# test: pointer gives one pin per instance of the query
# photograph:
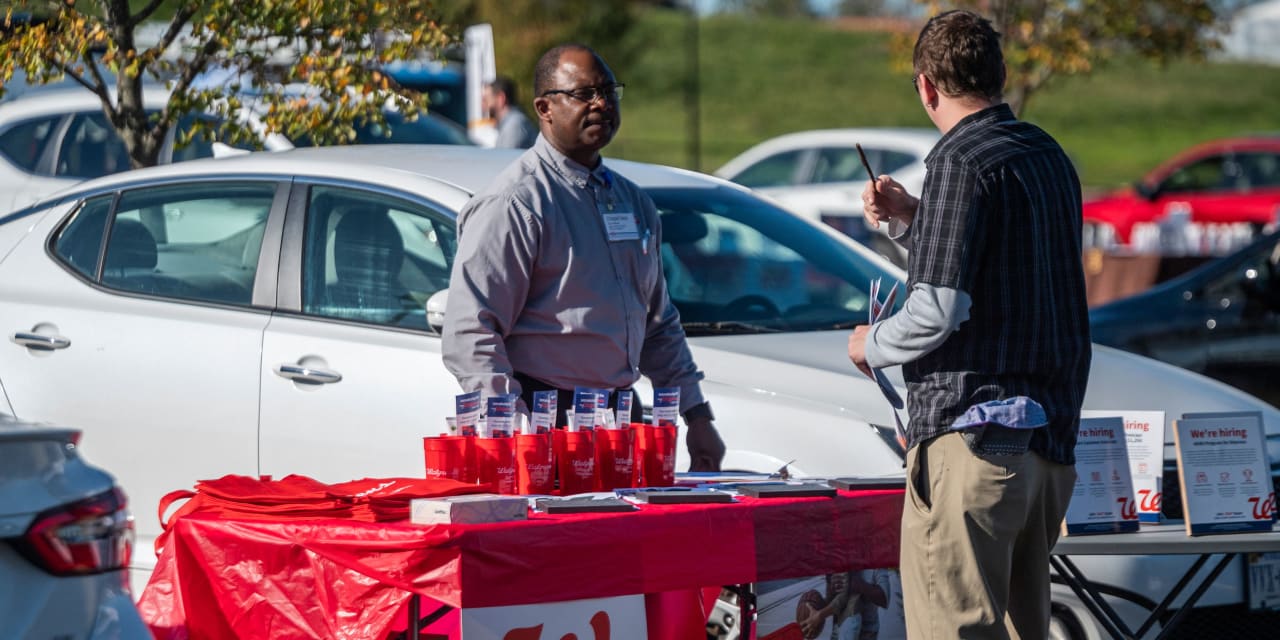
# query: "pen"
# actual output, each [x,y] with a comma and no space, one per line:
[865,165]
[644,242]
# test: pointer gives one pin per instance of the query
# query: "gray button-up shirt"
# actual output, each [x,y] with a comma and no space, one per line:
[539,287]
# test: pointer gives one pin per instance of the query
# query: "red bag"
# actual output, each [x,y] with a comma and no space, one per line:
[388,499]
[251,498]
[496,463]
[615,458]
[655,455]
[450,457]
[575,453]
[534,464]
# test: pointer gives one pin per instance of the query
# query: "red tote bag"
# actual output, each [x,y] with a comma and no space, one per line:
[575,453]
[450,457]
[535,464]
[496,463]
[655,458]
[615,458]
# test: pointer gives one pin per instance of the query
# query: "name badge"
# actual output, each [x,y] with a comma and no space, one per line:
[621,226]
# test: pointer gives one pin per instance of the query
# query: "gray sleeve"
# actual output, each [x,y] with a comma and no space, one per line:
[900,233]
[665,356]
[497,243]
[928,317]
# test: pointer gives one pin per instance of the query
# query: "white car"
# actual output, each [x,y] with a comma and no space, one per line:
[65,538]
[819,175]
[52,138]
[264,314]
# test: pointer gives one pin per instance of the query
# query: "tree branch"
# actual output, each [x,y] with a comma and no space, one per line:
[180,19]
[142,15]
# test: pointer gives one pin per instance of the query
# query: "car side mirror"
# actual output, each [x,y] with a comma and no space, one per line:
[1145,191]
[436,305]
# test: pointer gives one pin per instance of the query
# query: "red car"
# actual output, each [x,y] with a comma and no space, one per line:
[1210,199]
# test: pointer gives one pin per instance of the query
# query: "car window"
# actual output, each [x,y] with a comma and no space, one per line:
[775,171]
[1260,169]
[732,258]
[90,148]
[195,242]
[1253,288]
[842,164]
[399,130]
[1214,173]
[80,242]
[373,258]
[23,143]
[891,161]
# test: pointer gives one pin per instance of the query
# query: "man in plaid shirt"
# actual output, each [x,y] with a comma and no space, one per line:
[994,343]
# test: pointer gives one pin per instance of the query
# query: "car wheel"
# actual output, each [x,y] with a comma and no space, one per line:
[1063,624]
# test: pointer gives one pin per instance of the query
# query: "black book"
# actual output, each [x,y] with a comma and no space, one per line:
[584,505]
[860,483]
[804,490]
[682,497]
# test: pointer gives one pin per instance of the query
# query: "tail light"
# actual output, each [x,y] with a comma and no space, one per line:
[90,536]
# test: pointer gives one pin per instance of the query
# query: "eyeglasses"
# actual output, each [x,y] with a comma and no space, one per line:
[915,82]
[609,92]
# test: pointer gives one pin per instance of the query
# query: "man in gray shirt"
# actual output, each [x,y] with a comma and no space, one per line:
[558,278]
[514,129]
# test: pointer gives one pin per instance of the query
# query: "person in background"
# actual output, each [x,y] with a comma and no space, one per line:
[558,277]
[994,343]
[500,103]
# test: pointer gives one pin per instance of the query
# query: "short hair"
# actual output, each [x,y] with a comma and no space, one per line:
[507,87]
[545,70]
[959,52]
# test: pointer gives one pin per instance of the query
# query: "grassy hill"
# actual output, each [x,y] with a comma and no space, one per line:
[759,78]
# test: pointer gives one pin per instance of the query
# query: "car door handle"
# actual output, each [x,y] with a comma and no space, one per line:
[39,341]
[313,375]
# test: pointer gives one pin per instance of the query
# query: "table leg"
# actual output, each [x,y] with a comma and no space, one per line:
[1195,595]
[1092,599]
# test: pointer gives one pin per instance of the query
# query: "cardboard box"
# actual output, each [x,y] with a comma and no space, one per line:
[469,509]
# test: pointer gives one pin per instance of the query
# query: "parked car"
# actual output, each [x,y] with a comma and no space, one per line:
[1207,200]
[819,175]
[1221,320]
[65,540]
[204,318]
[53,138]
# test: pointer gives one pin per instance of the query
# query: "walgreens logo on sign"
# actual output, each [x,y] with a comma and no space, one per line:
[620,618]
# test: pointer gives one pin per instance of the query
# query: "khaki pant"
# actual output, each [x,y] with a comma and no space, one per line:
[976,535]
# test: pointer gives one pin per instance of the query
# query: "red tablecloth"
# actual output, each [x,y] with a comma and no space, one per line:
[337,578]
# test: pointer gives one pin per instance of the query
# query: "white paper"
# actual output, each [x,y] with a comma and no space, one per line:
[1144,437]
[1102,499]
[1224,471]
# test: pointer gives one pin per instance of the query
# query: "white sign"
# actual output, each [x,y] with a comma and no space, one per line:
[1102,500]
[1144,437]
[620,618]
[1225,475]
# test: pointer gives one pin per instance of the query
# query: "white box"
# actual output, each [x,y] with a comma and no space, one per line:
[469,509]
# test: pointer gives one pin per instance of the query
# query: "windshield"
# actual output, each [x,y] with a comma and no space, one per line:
[737,264]
[426,129]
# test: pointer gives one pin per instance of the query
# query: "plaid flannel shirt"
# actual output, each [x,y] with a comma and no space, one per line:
[999,219]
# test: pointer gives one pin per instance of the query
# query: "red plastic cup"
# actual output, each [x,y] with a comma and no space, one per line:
[655,459]
[451,457]
[575,453]
[496,463]
[615,458]
[535,464]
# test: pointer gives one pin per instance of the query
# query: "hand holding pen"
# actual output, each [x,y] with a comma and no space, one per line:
[884,198]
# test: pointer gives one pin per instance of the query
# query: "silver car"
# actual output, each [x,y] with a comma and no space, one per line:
[65,540]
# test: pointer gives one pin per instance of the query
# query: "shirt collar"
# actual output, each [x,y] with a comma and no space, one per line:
[571,170]
[972,122]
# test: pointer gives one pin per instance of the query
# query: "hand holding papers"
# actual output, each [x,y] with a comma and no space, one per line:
[879,310]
